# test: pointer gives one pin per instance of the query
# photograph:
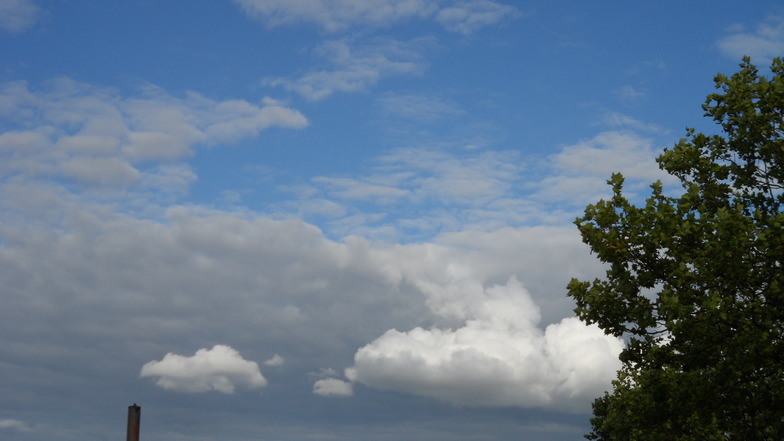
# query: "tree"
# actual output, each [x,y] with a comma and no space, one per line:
[694,282]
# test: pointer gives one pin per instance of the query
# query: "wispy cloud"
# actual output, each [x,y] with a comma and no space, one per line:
[619,120]
[354,68]
[339,15]
[629,94]
[761,44]
[18,15]
[10,424]
[467,17]
[418,108]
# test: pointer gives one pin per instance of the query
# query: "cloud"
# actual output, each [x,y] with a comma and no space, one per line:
[99,138]
[762,44]
[10,424]
[629,94]
[346,188]
[467,17]
[421,190]
[352,68]
[339,15]
[416,108]
[333,387]
[499,357]
[18,15]
[221,368]
[581,170]
[276,360]
[619,120]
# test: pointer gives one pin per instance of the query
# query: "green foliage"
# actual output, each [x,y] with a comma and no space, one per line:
[694,283]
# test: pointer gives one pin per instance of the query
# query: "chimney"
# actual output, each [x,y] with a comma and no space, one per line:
[134,416]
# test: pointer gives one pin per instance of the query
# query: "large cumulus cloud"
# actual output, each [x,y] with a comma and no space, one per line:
[499,357]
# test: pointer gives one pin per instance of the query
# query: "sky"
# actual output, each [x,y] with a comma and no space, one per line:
[329,220]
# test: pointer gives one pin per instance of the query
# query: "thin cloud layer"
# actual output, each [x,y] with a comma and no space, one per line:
[332,16]
[498,358]
[221,369]
[18,15]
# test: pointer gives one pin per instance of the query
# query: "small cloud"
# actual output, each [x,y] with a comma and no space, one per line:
[468,16]
[615,119]
[333,387]
[18,15]
[324,373]
[276,360]
[766,42]
[14,425]
[221,368]
[629,94]
[417,108]
[353,69]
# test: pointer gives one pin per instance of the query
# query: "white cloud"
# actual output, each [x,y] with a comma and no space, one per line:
[339,15]
[354,68]
[449,178]
[763,44]
[466,17]
[333,387]
[616,119]
[98,138]
[499,357]
[581,170]
[276,360]
[221,368]
[18,15]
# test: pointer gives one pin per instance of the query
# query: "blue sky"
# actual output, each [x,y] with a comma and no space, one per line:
[327,220]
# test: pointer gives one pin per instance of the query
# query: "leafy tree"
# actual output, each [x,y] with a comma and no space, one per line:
[694,283]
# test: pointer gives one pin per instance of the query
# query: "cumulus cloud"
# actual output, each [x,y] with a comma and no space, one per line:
[333,387]
[18,15]
[499,357]
[761,44]
[221,368]
[350,68]
[276,360]
[338,15]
